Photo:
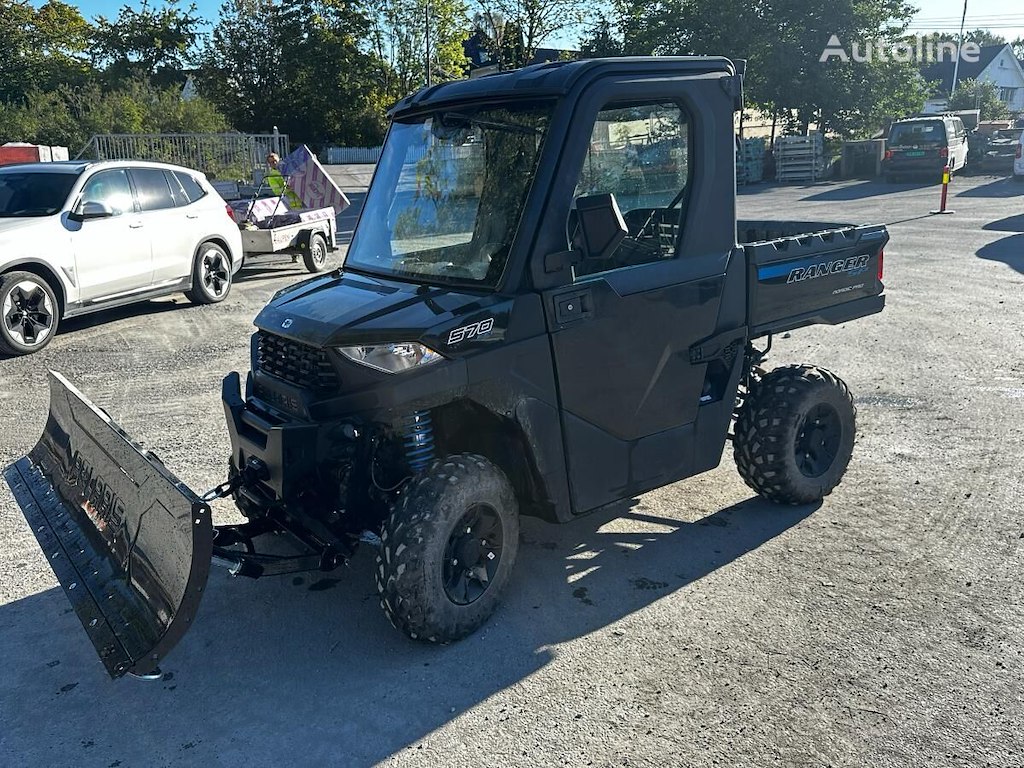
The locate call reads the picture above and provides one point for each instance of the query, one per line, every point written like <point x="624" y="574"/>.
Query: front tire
<point x="29" y="313"/>
<point x="211" y="275"/>
<point x="447" y="550"/>
<point x="794" y="434"/>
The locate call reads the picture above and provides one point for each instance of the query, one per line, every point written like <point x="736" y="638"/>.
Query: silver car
<point x="78" y="237"/>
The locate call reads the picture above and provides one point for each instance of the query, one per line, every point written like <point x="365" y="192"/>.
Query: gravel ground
<point x="695" y="626"/>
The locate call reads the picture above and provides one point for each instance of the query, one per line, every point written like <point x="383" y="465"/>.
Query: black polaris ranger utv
<point x="544" y="310"/>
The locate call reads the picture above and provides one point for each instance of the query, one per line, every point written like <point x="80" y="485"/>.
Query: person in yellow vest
<point x="277" y="182"/>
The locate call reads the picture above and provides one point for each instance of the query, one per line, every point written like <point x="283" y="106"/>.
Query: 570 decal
<point x="471" y="331"/>
<point x="853" y="266"/>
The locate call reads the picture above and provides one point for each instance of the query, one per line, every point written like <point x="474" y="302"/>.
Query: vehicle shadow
<point x="863" y="190"/>
<point x="154" y="307"/>
<point x="306" y="669"/>
<point x="1009" y="224"/>
<point x="1009" y="250"/>
<point x="1004" y="187"/>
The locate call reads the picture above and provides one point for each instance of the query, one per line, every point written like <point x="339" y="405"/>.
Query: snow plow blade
<point x="128" y="541"/>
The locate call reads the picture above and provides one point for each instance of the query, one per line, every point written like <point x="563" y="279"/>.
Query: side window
<point x="641" y="154"/>
<point x="153" y="191"/>
<point x="177" y="191"/>
<point x="192" y="188"/>
<point x="110" y="188"/>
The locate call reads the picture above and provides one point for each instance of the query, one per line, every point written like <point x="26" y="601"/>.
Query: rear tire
<point x="29" y="313"/>
<point x="211" y="275"/>
<point x="315" y="256"/>
<point x="794" y="434"/>
<point x="447" y="550"/>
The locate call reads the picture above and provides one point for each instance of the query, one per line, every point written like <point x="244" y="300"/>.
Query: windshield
<point x="448" y="194"/>
<point x="34" y="193"/>
<point x="918" y="135"/>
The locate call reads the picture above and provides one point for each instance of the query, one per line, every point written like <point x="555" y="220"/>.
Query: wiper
<point x="496" y="124"/>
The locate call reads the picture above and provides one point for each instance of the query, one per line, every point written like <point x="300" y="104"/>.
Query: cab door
<point x="112" y="255"/>
<point x="623" y="328"/>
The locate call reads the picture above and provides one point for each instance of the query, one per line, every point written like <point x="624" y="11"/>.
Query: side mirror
<point x="601" y="227"/>
<point x="91" y="209"/>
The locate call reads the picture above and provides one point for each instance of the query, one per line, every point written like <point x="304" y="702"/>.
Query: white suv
<point x="78" y="237"/>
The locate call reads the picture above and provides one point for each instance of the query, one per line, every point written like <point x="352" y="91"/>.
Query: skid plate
<point x="128" y="541"/>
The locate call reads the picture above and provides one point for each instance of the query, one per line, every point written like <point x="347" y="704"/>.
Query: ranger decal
<point x="853" y="266"/>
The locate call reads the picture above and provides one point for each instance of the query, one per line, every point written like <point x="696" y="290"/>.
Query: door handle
<point x="570" y="307"/>
<point x="191" y="215"/>
<point x="135" y="225"/>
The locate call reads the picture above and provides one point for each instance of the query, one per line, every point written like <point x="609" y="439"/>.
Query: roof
<point x="556" y="79"/>
<point x="77" y="166"/>
<point x="969" y="70"/>
<point x="62" y="166"/>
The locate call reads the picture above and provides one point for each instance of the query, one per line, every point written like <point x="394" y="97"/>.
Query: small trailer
<point x="312" y="237"/>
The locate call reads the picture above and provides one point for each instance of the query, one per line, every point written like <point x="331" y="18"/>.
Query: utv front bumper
<point x="281" y="453"/>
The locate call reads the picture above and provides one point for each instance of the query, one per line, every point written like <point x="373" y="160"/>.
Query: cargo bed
<point x="801" y="273"/>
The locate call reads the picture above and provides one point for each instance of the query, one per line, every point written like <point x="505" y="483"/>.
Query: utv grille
<point x="299" y="364"/>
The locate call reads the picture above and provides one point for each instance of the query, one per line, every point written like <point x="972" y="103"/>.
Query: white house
<point x="996" y="64"/>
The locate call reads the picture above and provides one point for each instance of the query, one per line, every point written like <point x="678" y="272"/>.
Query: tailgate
<point x="829" y="276"/>
<point x="129" y="543"/>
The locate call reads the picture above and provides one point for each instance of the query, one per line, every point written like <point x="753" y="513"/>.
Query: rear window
<point x="187" y="184"/>
<point x="152" y="189"/>
<point x="930" y="134"/>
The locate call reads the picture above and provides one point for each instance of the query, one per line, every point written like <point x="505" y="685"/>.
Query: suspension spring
<point x="418" y="440"/>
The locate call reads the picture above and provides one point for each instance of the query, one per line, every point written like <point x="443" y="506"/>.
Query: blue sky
<point x="941" y="15"/>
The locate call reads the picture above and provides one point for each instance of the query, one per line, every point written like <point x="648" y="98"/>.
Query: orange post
<point x="945" y="192"/>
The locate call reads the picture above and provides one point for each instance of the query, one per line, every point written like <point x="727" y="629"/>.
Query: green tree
<point x="147" y="42"/>
<point x="69" y="115"/>
<point x="979" y="94"/>
<point x="301" y="65"/>
<point x="513" y="30"/>
<point x="400" y="41"/>
<point x="43" y="47"/>
<point x="782" y="41"/>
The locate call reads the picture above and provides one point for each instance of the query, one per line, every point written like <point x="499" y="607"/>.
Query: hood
<point x="11" y="226"/>
<point x="348" y="308"/>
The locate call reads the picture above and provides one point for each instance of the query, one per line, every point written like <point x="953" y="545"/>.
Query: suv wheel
<point x="29" y="313"/>
<point x="447" y="549"/>
<point x="794" y="434"/>
<point x="211" y="275"/>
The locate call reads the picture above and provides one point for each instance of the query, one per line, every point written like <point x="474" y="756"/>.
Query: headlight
<point x="392" y="358"/>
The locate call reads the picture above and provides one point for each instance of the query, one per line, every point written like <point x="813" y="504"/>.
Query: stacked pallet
<point x="799" y="158"/>
<point x="750" y="161"/>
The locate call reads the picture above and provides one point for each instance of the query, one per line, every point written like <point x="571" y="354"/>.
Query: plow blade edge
<point x="128" y="541"/>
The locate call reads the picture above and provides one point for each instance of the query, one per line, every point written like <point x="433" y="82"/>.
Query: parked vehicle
<point x="923" y="146"/>
<point x="999" y="152"/>
<point x="77" y="237"/>
<point x="526" y="323"/>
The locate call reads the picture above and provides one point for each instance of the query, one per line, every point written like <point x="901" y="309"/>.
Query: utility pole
<point x="426" y="38"/>
<point x="959" y="47"/>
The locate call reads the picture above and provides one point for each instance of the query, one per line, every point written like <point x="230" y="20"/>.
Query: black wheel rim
<point x="472" y="555"/>
<point x="216" y="276"/>
<point x="817" y="440"/>
<point x="28" y="314"/>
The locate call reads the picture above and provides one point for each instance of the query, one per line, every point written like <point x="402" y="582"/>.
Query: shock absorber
<point x="418" y="440"/>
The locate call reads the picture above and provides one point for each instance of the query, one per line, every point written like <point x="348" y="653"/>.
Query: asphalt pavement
<point x="693" y="626"/>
